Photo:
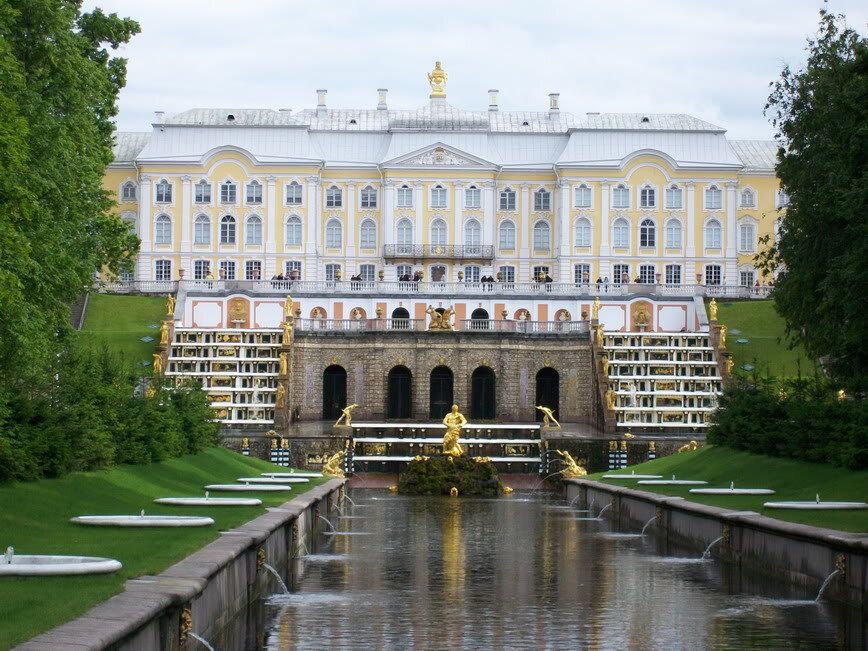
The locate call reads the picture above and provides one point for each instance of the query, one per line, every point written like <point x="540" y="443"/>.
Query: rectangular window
<point x="438" y="197"/>
<point x="334" y="197"/>
<point x="472" y="197"/>
<point x="582" y="274"/>
<point x="129" y="192"/>
<point x="201" y="269"/>
<point x="472" y="273"/>
<point x="621" y="274"/>
<point x="227" y="193"/>
<point x="367" y="272"/>
<point x="746" y="238"/>
<point x="507" y="274"/>
<point x="292" y="269"/>
<point x="203" y="193"/>
<point x="583" y="197"/>
<point x="673" y="198"/>
<point x="253" y="270"/>
<point x="227" y="270"/>
<point x="405" y="197"/>
<point x="293" y="194"/>
<point x="712" y="274"/>
<point x="404" y="270"/>
<point x="127" y="276"/>
<point x="621" y="197"/>
<point x="163" y="270"/>
<point x="332" y="271"/>
<point x="673" y="274"/>
<point x="369" y="197"/>
<point x="647" y="274"/>
<point x="647" y="198"/>
<point x="540" y="272"/>
<point x="713" y="198"/>
<point x="746" y="278"/>
<point x="507" y="200"/>
<point x="542" y="200"/>
<point x="254" y="193"/>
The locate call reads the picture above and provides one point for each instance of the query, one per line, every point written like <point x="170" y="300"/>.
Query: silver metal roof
<point x="128" y="144"/>
<point x="647" y="122"/>
<point x="756" y="155"/>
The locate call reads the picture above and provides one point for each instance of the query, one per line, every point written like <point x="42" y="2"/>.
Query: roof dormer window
<point x="230" y="117"/>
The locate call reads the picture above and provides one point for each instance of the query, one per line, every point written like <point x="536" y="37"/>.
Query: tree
<point x="58" y="93"/>
<point x="820" y="115"/>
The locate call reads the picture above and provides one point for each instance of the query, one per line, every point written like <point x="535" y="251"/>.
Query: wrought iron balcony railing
<point x="439" y="251"/>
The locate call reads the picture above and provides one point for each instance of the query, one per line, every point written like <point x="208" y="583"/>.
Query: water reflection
<point x="442" y="573"/>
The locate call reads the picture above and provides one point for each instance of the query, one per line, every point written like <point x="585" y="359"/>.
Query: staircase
<point x="78" y="311"/>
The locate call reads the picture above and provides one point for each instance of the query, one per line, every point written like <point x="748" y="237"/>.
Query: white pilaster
<point x="186" y="219"/>
<point x="690" y="227"/>
<point x="143" y="261"/>
<point x="524" y="225"/>
<point x="563" y="230"/>
<point x="387" y="235"/>
<point x="419" y="201"/>
<point x="458" y="211"/>
<point x="312" y="230"/>
<point x="489" y="235"/>
<point x="731" y="264"/>
<point x="605" y="250"/>
<point x="351" y="222"/>
<point x="270" y="227"/>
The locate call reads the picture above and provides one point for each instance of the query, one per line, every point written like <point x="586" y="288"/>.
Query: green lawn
<point x="34" y="518"/>
<point x="764" y="328"/>
<point x="121" y="321"/>
<point x="792" y="480"/>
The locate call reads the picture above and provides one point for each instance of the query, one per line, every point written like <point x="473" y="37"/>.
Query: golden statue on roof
<point x="437" y="78"/>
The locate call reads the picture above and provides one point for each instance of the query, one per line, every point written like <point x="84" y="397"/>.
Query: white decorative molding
<point x="439" y="156"/>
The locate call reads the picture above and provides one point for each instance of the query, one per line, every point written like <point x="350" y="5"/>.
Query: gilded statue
<point x="600" y="336"/>
<point x="595" y="309"/>
<point x="170" y="304"/>
<point x="454" y="421"/>
<point x="729" y="365"/>
<point x="571" y="468"/>
<point x="611" y="397"/>
<point x="346" y="416"/>
<point x="164" y="332"/>
<point x="439" y="320"/>
<point x="334" y="466"/>
<point x="287" y="309"/>
<point x="604" y="361"/>
<point x="643" y="317"/>
<point x="287" y="332"/>
<point x="158" y="363"/>
<point x="693" y="445"/>
<point x="437" y="78"/>
<point x="280" y="402"/>
<point x="712" y="310"/>
<point x="284" y="364"/>
<point x="245" y="443"/>
<point x="548" y="417"/>
<point x="722" y="333"/>
<point x="453" y="492"/>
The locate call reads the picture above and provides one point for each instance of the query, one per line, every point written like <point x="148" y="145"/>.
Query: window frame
<point x="618" y="271"/>
<point x="647" y="197"/>
<point x="745" y="204"/>
<point x="197" y="269"/>
<point x="404" y="196"/>
<point x="202" y="192"/>
<point x="249" y="266"/>
<point x="714" y="272"/>
<point x="365" y="197"/>
<point x="583" y="233"/>
<point x="255" y="185"/>
<point x="647" y="234"/>
<point x="368" y="235"/>
<point x="472" y="198"/>
<point x="583" y="188"/>
<point x="442" y="193"/>
<point x="202" y="225"/>
<point x="125" y="196"/>
<point x="671" y="227"/>
<point x="713" y="197"/>
<point x="507" y="200"/>
<point x="670" y="192"/>
<point x="506" y="226"/>
<point x="334" y="231"/>
<point x="163" y="226"/>
<point x="292" y="265"/>
<point x="289" y="226"/>
<point x="228" y="230"/>
<point x="542" y="200"/>
<point x="717" y="230"/>
<point x="228" y="193"/>
<point x="648" y="271"/>
<point x="334" y="197"/>
<point x="438" y="226"/>
<point x="507" y="272"/>
<point x="253" y="222"/>
<point x="539" y="227"/>
<point x="671" y="272"/>
<point x="291" y="200"/>
<point x="227" y="266"/>
<point x="752" y="246"/>
<point x="163" y="188"/>
<point x="580" y="268"/>
<point x="621" y="240"/>
<point x="163" y="269"/>
<point x="623" y="191"/>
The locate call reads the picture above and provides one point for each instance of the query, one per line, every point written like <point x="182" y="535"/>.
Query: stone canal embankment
<point x="213" y="593"/>
<point x="803" y="554"/>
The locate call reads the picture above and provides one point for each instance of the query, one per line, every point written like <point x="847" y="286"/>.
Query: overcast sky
<point x="710" y="59"/>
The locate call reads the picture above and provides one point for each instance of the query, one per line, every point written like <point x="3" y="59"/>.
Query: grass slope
<point x="120" y="322"/>
<point x="34" y="518"/>
<point x="765" y="331"/>
<point x="793" y="480"/>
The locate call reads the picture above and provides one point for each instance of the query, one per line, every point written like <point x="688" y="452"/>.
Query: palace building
<point x="567" y="259"/>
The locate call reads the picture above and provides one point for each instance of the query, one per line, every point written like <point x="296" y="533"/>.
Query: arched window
<point x="405" y="236"/>
<point x="746" y="238"/>
<point x="621" y="234"/>
<point x="713" y="234"/>
<point x="164" y="192"/>
<point x="202" y="193"/>
<point x="128" y="191"/>
<point x="472" y="197"/>
<point x="472" y="236"/>
<point x="673" y="234"/>
<point x="228" y="192"/>
<point x="227" y="230"/>
<point x="293" y="231"/>
<point x="648" y="197"/>
<point x="621" y="197"/>
<point x="673" y="198"/>
<point x="254" y="192"/>
<point x="334" y="197"/>
<point x="507" y="199"/>
<point x="438" y="196"/>
<point x="542" y="240"/>
<point x="405" y="196"/>
<point x="368" y="235"/>
<point x="542" y="199"/>
<point x="438" y="232"/>
<point x="748" y="199"/>
<point x="713" y="198"/>
<point x="293" y="194"/>
<point x="506" y="238"/>
<point x="333" y="234"/>
<point x="163" y="230"/>
<point x="202" y="230"/>
<point x="647" y="233"/>
<point x="254" y="231"/>
<point x="368" y="198"/>
<point x="583" y="196"/>
<point x="583" y="232"/>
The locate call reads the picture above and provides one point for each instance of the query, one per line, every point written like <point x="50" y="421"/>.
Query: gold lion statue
<point x="335" y="465"/>
<point x="571" y="468"/>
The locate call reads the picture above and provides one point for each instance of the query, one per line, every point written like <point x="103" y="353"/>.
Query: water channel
<point x="528" y="571"/>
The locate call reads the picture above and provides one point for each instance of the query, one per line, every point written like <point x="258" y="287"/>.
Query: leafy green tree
<point x="820" y="115"/>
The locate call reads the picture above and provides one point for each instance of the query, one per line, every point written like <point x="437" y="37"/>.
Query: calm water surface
<point x="522" y="572"/>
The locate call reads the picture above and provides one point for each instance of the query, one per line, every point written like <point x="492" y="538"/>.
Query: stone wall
<point x="368" y="358"/>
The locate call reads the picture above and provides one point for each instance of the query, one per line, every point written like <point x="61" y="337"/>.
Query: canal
<point x="528" y="571"/>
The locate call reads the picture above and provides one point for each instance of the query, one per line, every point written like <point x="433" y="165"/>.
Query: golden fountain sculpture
<point x="439" y="320"/>
<point x="454" y="421"/>
<point x="437" y="78"/>
<point x="334" y="466"/>
<point x="571" y="468"/>
<point x="548" y="418"/>
<point x="170" y="305"/>
<point x="693" y="445"/>
<point x="346" y="416"/>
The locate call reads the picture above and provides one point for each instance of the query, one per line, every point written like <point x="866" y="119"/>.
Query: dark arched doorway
<point x="400" y="318"/>
<point x="548" y="391"/>
<point x="399" y="397"/>
<point x="334" y="391"/>
<point x="482" y="396"/>
<point x="441" y="392"/>
<point x="479" y="319"/>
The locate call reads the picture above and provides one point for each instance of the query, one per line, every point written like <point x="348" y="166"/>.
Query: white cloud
<point x="710" y="59"/>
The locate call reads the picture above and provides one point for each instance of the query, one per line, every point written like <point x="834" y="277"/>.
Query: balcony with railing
<point x="463" y="325"/>
<point x="438" y="251"/>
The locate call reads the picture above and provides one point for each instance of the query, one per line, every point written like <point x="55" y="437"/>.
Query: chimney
<point x="492" y="99"/>
<point x="381" y="99"/>
<point x="320" y="101"/>
<point x="554" y="109"/>
<point x="158" y="116"/>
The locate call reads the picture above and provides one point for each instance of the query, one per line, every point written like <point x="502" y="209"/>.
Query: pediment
<point x="438" y="155"/>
